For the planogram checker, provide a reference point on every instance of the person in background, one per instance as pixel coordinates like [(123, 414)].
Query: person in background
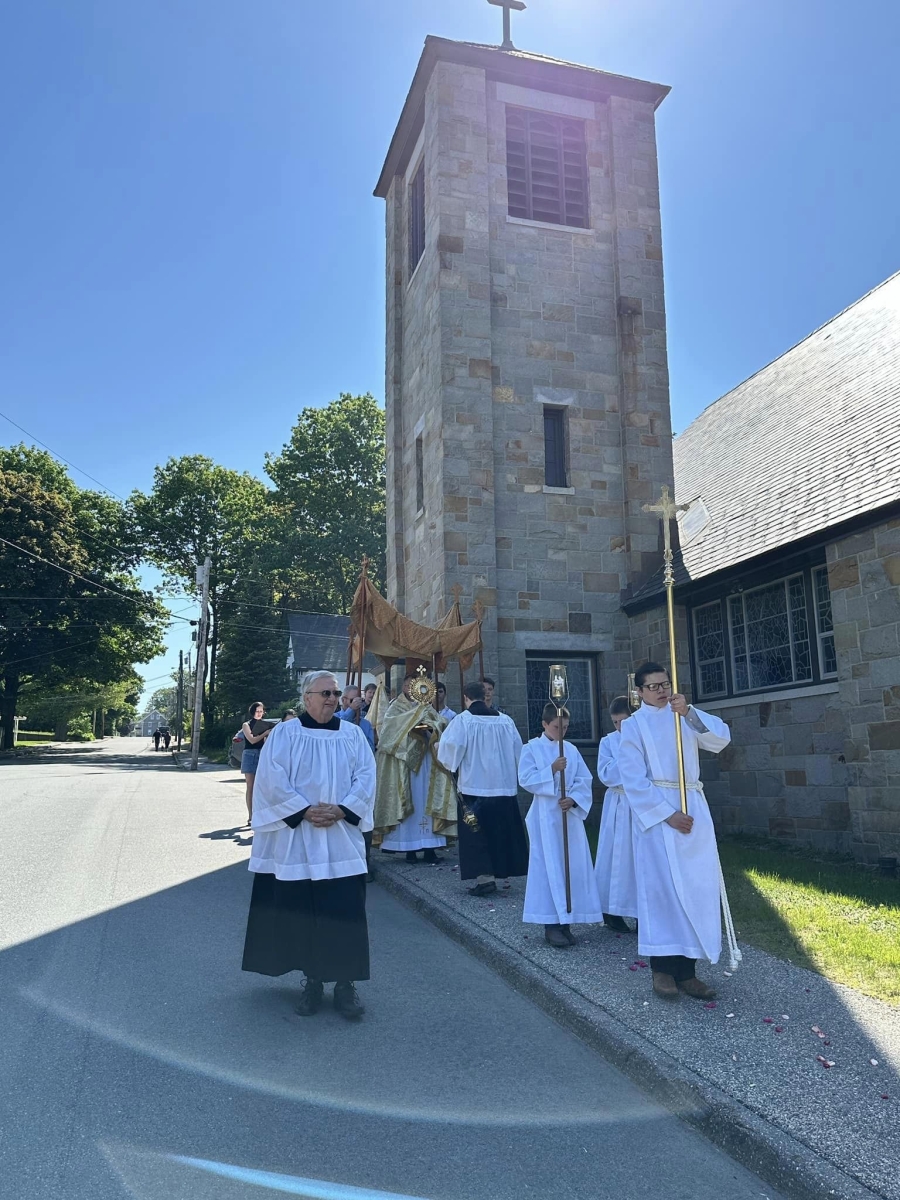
[(167, 737), (489, 687), (351, 710), (368, 695), (253, 744), (290, 715), (614, 868), (315, 791), (157, 734), (441, 704), (545, 889), (484, 747)]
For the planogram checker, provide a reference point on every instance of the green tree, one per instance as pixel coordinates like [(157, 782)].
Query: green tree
[(328, 509), (253, 660), (197, 510), (165, 700), (71, 609)]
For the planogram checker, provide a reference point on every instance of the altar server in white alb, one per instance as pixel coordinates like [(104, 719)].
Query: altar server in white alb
[(540, 769), (484, 746), (315, 789), (676, 860), (615, 848)]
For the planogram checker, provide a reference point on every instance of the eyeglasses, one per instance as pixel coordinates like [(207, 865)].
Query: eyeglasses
[(326, 694), (657, 687)]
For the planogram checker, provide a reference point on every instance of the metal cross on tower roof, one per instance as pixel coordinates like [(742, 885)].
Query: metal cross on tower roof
[(506, 5)]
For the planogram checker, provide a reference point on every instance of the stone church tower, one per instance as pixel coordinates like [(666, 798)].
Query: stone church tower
[(526, 386)]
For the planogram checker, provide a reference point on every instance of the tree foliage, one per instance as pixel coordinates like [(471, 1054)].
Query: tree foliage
[(70, 607), (197, 510), (328, 509)]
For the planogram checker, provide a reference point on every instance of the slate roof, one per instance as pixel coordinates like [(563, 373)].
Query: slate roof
[(807, 443), (319, 642)]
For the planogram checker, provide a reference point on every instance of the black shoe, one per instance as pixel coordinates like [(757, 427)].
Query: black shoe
[(429, 856), (555, 937), (568, 934), (311, 998), (483, 889), (616, 924), (347, 1001), (411, 856)]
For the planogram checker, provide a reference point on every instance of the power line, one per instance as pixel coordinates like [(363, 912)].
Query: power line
[(75, 575), (69, 520), (8, 662), (60, 457)]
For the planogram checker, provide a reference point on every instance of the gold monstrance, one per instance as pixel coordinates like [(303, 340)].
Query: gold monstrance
[(668, 511)]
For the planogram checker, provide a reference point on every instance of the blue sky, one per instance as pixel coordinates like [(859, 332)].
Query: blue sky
[(192, 253)]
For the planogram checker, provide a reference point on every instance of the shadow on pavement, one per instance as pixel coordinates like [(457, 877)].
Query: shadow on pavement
[(134, 1043)]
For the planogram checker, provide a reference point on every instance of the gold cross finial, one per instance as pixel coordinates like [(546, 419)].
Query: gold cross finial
[(668, 511)]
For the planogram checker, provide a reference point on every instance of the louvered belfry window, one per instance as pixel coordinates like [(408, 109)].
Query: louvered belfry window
[(546, 168), (417, 217)]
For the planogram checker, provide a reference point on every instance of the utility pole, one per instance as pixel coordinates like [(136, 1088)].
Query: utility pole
[(203, 580), (179, 706)]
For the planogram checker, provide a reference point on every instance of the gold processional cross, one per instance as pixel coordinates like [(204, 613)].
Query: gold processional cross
[(667, 511), (506, 5)]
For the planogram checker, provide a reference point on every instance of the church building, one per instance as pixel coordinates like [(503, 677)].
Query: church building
[(526, 384)]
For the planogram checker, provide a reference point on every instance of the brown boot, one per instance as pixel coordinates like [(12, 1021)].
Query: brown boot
[(556, 937), (697, 988), (664, 986)]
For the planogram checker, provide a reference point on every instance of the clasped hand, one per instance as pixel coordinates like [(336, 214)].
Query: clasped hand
[(679, 704), (324, 815), (566, 802), (559, 764), (680, 821)]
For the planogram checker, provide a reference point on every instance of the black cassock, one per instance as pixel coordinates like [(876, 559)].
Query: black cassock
[(499, 846), (317, 926)]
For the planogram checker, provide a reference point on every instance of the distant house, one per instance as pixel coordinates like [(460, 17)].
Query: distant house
[(145, 725), (789, 578), (318, 642)]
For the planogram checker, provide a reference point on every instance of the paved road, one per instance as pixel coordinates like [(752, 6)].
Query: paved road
[(136, 1060)]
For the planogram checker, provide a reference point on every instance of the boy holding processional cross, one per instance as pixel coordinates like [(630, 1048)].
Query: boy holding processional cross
[(544, 761)]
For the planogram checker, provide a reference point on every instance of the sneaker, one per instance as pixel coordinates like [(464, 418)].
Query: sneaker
[(347, 1001), (310, 999)]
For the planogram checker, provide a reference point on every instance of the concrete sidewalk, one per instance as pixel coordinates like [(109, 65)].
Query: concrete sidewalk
[(746, 1072)]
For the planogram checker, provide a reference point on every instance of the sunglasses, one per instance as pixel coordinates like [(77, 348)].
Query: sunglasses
[(326, 694)]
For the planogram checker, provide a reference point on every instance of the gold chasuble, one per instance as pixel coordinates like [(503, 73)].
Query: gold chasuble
[(401, 751)]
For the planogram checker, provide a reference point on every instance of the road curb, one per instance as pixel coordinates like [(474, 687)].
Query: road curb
[(775, 1156)]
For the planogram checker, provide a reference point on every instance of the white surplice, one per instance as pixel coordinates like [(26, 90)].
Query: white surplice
[(677, 873), (545, 889), (416, 832), (485, 751), (614, 868), (300, 767)]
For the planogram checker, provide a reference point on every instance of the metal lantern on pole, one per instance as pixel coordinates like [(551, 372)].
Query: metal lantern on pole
[(559, 694)]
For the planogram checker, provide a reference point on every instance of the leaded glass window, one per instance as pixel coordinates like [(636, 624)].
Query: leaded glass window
[(582, 705), (770, 635), (709, 643), (824, 622)]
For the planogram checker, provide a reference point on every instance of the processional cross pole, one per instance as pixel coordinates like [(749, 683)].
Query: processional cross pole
[(506, 5), (668, 511)]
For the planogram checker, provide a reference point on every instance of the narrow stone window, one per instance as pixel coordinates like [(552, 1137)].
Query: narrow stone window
[(417, 217), (555, 447), (420, 476), (546, 168)]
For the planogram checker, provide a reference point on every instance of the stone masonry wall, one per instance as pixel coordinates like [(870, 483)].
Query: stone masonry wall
[(501, 318), (864, 576)]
